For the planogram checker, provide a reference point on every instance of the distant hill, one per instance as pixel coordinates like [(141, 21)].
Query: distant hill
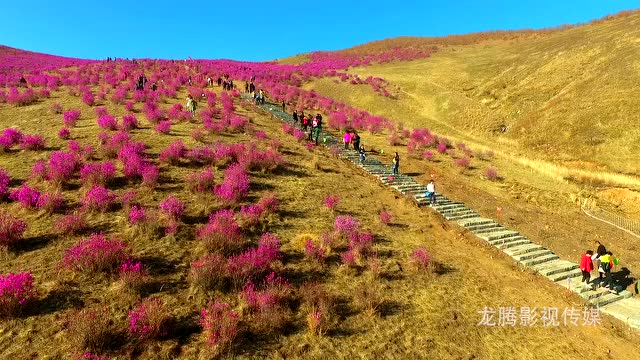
[(16, 60)]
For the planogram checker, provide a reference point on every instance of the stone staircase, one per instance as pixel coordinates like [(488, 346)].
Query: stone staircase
[(530, 255)]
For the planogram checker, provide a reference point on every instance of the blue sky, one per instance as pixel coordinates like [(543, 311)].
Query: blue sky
[(264, 30)]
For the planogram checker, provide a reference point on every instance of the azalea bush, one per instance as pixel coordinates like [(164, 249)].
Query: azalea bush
[(95, 254), (16, 290), (150, 319), (221, 234), (220, 325)]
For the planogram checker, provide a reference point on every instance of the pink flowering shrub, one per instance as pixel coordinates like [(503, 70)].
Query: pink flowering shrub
[(132, 275), (173, 153), (129, 122), (235, 185), (269, 203), (150, 319), (11, 229), (463, 163), (202, 155), (220, 325), (255, 263), (101, 111), (56, 108), (137, 215), (420, 259), (71, 224), (129, 105), (108, 122), (163, 127), (348, 258), (97, 173), (150, 175), (5, 180), (172, 207), (428, 155), (16, 289), (96, 254), (32, 142), (385, 217), (331, 201), (9, 138), (88, 98), (346, 225), (50, 202), (200, 182), (221, 234), (64, 134), (62, 166), (491, 174), (441, 148), (26, 196), (98, 198), (71, 117), (314, 252)]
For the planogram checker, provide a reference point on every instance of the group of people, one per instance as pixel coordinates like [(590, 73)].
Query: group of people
[(312, 124), (603, 261)]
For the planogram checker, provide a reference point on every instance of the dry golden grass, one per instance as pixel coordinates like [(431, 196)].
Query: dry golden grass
[(420, 317)]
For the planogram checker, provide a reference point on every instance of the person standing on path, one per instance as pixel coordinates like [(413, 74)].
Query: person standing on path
[(606, 264), (283, 105), (318, 128), (355, 139), (295, 116), (396, 163), (363, 155), (431, 192), (600, 251), (347, 139), (586, 266)]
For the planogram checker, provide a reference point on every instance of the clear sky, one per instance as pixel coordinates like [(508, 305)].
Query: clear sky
[(264, 30)]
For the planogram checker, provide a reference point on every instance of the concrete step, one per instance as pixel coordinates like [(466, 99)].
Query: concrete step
[(610, 298), (523, 249), (453, 210), (476, 227), (451, 213), (555, 267), (460, 217), (626, 310), (532, 254), (493, 228), (539, 260), (513, 242), (453, 205), (473, 222), (499, 235), (569, 274)]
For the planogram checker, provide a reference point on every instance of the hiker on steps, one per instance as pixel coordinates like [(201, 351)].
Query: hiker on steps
[(586, 266), (318, 128), (363, 155), (431, 192), (600, 251), (355, 139), (347, 139), (606, 264), (396, 163)]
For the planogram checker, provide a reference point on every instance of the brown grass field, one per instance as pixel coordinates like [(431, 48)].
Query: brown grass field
[(567, 99)]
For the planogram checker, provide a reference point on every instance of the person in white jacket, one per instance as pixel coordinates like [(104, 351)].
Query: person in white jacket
[(431, 192)]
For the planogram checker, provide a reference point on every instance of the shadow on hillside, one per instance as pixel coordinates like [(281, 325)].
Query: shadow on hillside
[(34, 243), (299, 277), (390, 308), (399, 226), (622, 278), (290, 170), (413, 174), (158, 265), (184, 327), (56, 300)]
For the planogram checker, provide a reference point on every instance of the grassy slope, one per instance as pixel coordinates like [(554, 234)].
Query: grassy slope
[(427, 317), (568, 96)]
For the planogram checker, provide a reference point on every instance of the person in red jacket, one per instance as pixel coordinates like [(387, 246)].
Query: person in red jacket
[(586, 266)]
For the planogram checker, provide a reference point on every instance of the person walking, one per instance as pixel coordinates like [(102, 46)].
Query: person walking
[(283, 106), (396, 163), (295, 116), (600, 251), (355, 139), (191, 105), (586, 266), (431, 192), (363, 155), (606, 264), (318, 128), (347, 139)]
